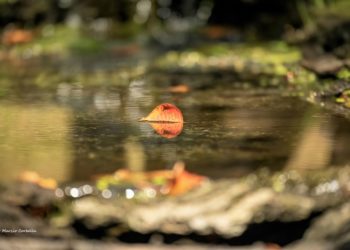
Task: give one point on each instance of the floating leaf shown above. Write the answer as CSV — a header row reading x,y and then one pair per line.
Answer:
x,y
165,112
167,129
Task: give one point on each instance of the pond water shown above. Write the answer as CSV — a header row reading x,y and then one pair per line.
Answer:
x,y
72,132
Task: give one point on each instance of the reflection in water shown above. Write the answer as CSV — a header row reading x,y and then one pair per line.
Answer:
x,y
134,154
167,129
166,119
75,132
35,138
314,149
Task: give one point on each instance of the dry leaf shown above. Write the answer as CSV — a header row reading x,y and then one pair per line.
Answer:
x,y
184,181
176,181
35,178
16,36
165,112
179,89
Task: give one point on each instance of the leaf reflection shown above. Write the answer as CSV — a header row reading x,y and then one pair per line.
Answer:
x,y
167,129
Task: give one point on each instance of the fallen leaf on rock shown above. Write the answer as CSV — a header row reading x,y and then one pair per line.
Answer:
x,y
183,181
165,112
176,181
167,129
35,178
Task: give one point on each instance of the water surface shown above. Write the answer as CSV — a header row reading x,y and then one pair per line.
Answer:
x,y
73,132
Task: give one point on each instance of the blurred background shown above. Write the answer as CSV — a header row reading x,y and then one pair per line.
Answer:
x,y
263,86
160,20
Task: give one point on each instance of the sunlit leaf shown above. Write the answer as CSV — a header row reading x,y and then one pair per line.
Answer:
x,y
165,112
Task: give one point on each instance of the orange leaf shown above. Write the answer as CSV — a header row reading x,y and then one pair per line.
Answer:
x,y
16,36
179,89
177,181
166,129
165,112
183,180
35,178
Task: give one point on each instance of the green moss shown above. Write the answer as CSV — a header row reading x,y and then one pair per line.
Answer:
x,y
4,87
126,31
270,58
337,8
60,40
273,52
344,74
86,45
105,182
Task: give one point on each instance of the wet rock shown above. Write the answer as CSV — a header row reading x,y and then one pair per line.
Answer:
x,y
27,206
226,213
347,62
13,218
307,245
97,212
62,244
333,226
286,207
323,65
184,215
27,194
225,207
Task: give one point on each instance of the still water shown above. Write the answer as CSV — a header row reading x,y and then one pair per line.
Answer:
x,y
72,132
